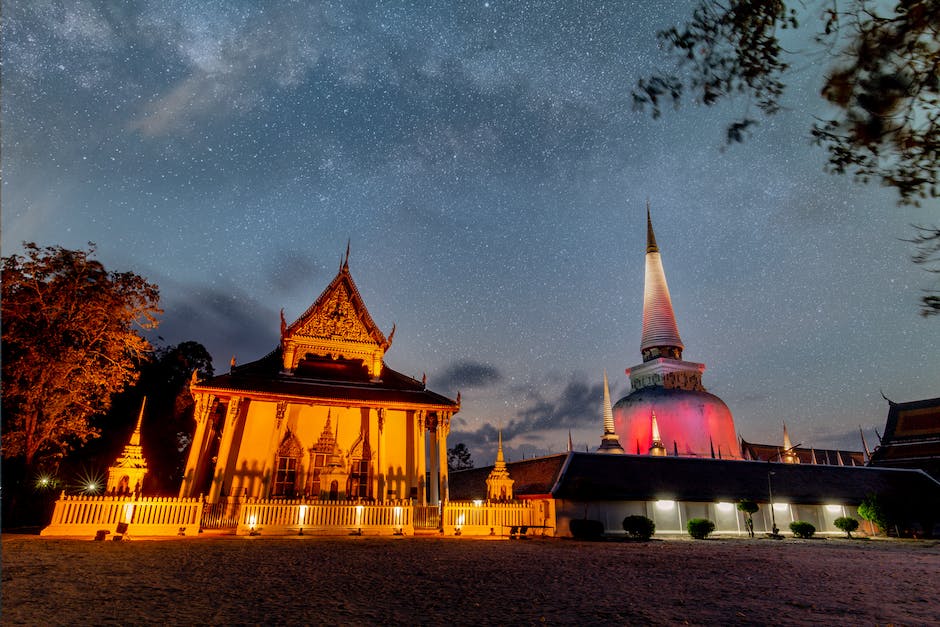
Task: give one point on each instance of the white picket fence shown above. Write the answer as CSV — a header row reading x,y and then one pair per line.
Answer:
x,y
85,516
143,516
486,518
271,517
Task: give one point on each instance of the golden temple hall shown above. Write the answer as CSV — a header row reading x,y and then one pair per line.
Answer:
x,y
321,416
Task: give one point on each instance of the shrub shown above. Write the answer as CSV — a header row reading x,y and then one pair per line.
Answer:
x,y
802,529
699,528
639,527
584,529
846,524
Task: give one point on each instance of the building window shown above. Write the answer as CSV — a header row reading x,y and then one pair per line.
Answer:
x,y
286,478
359,484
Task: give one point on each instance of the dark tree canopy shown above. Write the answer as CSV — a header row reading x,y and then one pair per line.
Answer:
x,y
71,339
883,83
458,458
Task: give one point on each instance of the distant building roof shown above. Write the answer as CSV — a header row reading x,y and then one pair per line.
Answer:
x,y
824,456
596,477
912,437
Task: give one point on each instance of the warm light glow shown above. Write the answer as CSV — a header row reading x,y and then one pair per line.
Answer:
x,y
128,512
833,509
724,506
252,521
781,507
665,504
301,514
359,509
91,488
477,502
460,520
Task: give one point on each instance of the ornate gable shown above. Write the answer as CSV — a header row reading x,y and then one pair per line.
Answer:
x,y
337,325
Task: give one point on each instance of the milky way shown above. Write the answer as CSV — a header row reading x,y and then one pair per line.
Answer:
x,y
488,167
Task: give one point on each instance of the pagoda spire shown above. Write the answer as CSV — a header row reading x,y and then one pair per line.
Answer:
x,y
788,455
135,437
864,445
656,447
610,441
660,333
499,483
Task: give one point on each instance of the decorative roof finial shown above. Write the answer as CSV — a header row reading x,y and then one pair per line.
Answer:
x,y
656,446
346,260
864,444
283,324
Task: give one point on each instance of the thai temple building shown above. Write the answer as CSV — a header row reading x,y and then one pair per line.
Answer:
x,y
691,421
321,417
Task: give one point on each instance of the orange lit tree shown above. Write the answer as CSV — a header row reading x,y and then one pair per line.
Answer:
x,y
71,339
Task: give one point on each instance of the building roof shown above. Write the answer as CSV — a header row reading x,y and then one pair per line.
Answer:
x,y
338,381
594,477
825,456
912,437
532,477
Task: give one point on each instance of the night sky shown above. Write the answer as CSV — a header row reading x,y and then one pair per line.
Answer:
x,y
488,167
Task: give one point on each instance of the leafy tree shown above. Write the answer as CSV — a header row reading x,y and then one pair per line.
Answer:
x,y
874,510
749,508
846,524
71,339
458,458
883,84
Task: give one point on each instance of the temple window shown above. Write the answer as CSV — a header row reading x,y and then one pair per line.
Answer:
x,y
286,477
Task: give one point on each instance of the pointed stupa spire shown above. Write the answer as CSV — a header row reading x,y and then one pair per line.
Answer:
x,y
656,447
610,441
660,333
135,437
788,455
570,443
812,456
499,483
864,445
127,473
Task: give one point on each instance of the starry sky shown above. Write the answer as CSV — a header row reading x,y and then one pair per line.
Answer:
x,y
486,163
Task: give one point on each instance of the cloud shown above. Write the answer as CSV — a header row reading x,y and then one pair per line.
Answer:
x,y
292,272
461,375
577,406
223,319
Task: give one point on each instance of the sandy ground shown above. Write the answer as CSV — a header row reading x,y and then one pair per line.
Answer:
x,y
341,581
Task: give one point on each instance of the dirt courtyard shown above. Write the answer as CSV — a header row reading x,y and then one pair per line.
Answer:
x,y
404,581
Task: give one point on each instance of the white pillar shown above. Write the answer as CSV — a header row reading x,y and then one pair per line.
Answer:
x,y
381,478
420,459
435,467
225,447
196,459
443,429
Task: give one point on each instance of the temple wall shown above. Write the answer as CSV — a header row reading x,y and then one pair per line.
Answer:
x,y
671,517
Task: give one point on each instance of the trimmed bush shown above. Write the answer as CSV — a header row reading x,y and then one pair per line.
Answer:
x,y
639,527
699,528
846,524
584,529
802,529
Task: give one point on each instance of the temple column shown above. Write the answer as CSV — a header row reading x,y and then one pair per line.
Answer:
x,y
381,479
435,465
420,459
195,462
225,447
443,429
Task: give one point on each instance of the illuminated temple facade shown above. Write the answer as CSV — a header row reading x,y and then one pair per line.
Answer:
x,y
668,410
321,417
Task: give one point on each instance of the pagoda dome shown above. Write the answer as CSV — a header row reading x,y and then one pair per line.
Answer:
x,y
691,422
